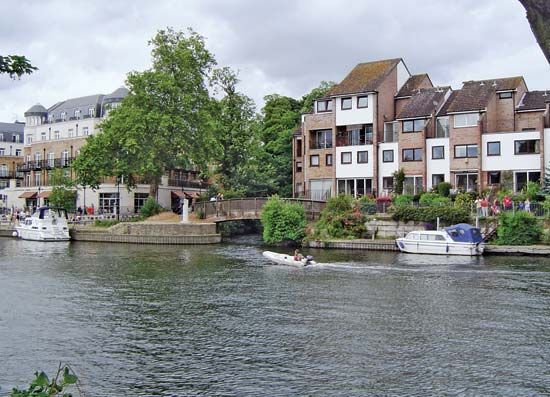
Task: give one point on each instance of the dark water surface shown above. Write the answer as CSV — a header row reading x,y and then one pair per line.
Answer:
x,y
137,320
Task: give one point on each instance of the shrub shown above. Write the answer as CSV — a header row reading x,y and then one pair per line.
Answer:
x,y
150,208
383,203
105,222
519,228
531,190
283,222
367,205
464,200
399,180
340,219
546,205
404,199
431,199
444,189
446,214
545,236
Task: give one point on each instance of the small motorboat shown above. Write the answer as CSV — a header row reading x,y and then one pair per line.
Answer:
x,y
461,239
284,259
46,224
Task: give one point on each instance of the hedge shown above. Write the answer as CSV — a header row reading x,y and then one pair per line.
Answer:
x,y
446,214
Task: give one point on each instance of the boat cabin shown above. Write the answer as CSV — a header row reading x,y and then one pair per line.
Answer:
x,y
464,233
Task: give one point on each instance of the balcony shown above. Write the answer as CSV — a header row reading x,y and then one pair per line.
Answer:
x,y
38,165
187,183
10,175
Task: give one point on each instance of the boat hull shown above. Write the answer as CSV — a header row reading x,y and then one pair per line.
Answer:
x,y
439,248
57,234
288,260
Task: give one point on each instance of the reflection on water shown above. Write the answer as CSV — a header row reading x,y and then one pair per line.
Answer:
x,y
221,320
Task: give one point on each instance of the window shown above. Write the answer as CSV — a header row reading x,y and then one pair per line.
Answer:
x,y
412,154
320,189
355,187
346,158
109,203
91,112
321,139
528,129
414,125
521,179
56,135
528,146
70,132
493,177
437,179
139,200
362,157
43,136
77,114
328,160
18,152
346,103
314,160
63,116
29,139
387,183
298,144
505,95
16,138
413,185
493,148
37,159
65,158
362,102
387,156
37,179
390,132
324,105
438,152
1,137
465,151
2,151
442,127
298,166
356,136
51,161
466,120
466,182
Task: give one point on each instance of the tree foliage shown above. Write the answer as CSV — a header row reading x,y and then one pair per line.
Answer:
x,y
165,122
15,66
518,228
63,193
538,15
341,219
283,221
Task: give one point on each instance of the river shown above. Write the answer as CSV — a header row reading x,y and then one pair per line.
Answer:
x,y
138,320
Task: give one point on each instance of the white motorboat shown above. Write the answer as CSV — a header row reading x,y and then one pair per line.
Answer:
x,y
283,259
461,239
46,224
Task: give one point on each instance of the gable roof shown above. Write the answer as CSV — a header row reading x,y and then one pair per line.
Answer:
x,y
534,100
364,77
413,83
445,107
475,95
423,102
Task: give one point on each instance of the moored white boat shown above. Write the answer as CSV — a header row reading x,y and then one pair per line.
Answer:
x,y
461,239
288,260
46,224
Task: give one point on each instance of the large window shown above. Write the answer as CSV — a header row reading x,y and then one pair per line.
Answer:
x,y
320,139
355,187
521,178
414,125
465,151
345,158
493,177
314,160
438,152
139,200
387,184
346,103
412,154
362,102
527,146
413,185
437,179
442,127
109,203
493,148
466,120
390,132
387,156
324,105
362,157
356,136
320,189
466,182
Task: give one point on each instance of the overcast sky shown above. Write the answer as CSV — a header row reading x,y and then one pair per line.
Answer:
x,y
283,46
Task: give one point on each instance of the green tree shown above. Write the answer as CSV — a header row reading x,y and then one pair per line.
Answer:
x,y
399,180
546,181
165,122
15,65
63,193
518,228
283,221
236,134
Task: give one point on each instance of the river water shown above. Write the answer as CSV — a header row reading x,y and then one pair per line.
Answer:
x,y
137,320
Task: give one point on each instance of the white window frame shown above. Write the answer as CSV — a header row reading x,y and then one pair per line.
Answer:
x,y
470,120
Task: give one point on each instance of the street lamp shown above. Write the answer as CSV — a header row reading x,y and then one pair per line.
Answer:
x,y
118,197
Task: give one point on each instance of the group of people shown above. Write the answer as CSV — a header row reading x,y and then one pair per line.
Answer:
x,y
483,205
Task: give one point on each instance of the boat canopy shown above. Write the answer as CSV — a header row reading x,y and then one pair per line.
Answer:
x,y
48,212
464,233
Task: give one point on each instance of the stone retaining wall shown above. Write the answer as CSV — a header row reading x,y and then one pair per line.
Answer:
x,y
388,228
163,229
106,237
373,245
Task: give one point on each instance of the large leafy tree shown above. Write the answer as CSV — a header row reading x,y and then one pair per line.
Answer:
x,y
164,123
538,15
237,135
15,65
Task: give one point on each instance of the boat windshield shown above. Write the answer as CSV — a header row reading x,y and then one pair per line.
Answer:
x,y
52,213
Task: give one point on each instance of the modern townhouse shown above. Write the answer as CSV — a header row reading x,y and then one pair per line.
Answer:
x,y
11,155
53,138
379,119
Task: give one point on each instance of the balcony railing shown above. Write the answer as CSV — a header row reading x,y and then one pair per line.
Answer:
x,y
10,175
37,165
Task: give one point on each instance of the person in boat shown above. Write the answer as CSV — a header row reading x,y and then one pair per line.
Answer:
x,y
297,255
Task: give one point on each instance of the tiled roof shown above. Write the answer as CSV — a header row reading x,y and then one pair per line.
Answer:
x,y
475,95
445,107
423,102
413,83
364,77
534,100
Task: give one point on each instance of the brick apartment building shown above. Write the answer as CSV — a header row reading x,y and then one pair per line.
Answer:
x,y
380,119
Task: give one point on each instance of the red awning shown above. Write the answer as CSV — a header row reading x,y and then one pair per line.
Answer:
x,y
28,195
45,194
178,193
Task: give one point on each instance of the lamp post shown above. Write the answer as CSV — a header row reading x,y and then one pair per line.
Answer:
x,y
118,198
